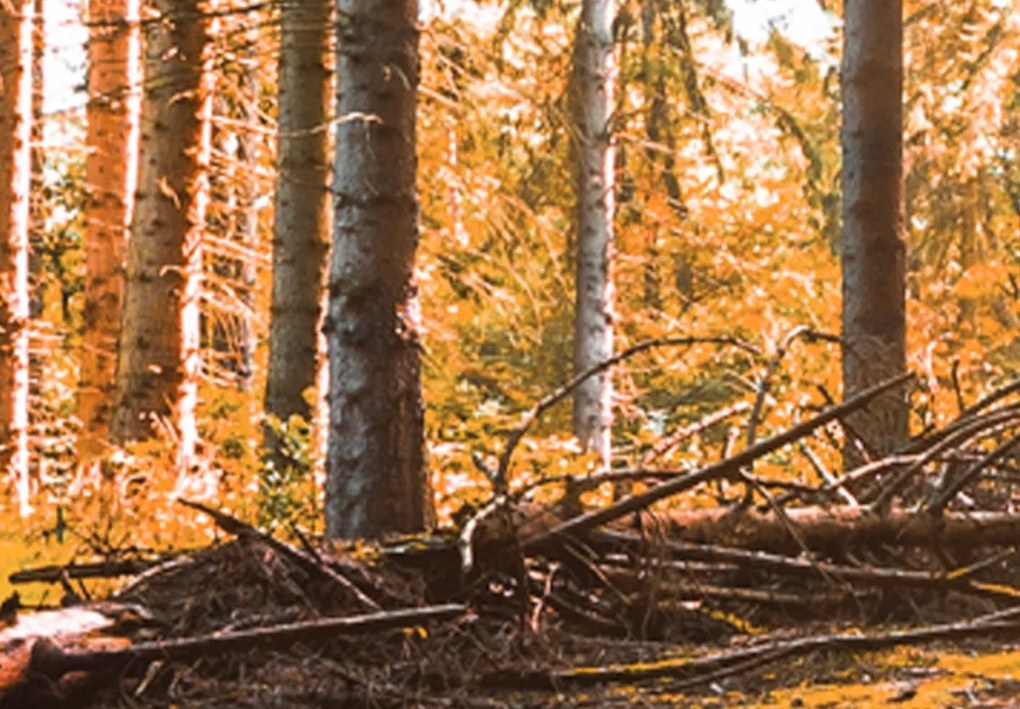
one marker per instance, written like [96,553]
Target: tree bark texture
[159,352]
[15,178]
[376,480]
[111,167]
[300,238]
[595,73]
[874,247]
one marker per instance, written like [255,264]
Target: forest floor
[896,583]
[486,656]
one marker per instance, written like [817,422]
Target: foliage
[728,225]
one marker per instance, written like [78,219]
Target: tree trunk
[874,248]
[376,480]
[36,219]
[159,357]
[300,238]
[15,178]
[595,73]
[111,166]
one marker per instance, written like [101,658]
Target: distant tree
[111,166]
[376,480]
[873,248]
[36,218]
[15,179]
[595,77]
[300,238]
[238,185]
[158,355]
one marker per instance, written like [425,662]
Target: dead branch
[953,484]
[52,661]
[692,672]
[808,568]
[830,480]
[727,468]
[831,531]
[762,388]
[963,433]
[98,569]
[550,400]
[685,432]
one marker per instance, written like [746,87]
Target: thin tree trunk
[36,287]
[874,248]
[593,319]
[158,357]
[300,229]
[15,180]
[376,480]
[111,167]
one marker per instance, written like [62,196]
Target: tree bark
[300,238]
[159,357]
[111,167]
[376,481]
[874,247]
[595,73]
[15,179]
[833,531]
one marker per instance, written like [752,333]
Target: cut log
[72,629]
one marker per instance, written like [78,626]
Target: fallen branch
[725,469]
[831,531]
[801,567]
[97,569]
[52,661]
[696,671]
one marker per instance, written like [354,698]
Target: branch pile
[527,600]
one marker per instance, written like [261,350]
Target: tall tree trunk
[595,74]
[111,167]
[376,480]
[158,358]
[15,179]
[874,247]
[36,230]
[36,287]
[300,237]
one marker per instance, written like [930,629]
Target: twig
[848,429]
[550,400]
[954,377]
[952,485]
[830,480]
[959,436]
[689,430]
[762,389]
[997,395]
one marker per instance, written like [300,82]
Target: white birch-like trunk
[595,74]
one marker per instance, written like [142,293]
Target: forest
[582,352]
